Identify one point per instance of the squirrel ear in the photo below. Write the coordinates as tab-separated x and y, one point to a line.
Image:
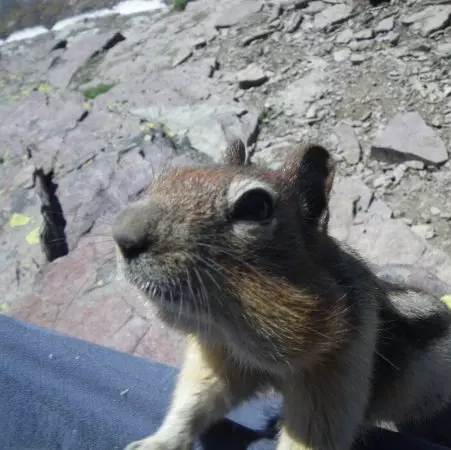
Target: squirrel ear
309	173
235	153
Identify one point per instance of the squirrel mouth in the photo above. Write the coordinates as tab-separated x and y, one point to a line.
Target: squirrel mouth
164	292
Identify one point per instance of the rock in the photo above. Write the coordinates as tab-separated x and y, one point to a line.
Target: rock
342	55
238	12
359	46
274	155
380	209
385	25
294	22
415	165
332	15
392	37
364	34
387	242
432	18
399	172
408	137
251	76
380	181
444	49
203	123
406	221
435	211
348	143
298	95
344	37
425	231
345	194
183	55
64	68
413	276
438	20
357	59
259	34
314	7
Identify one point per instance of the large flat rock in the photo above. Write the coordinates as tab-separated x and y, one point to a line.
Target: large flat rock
206	125
408	137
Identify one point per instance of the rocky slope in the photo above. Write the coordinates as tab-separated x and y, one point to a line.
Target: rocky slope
88	114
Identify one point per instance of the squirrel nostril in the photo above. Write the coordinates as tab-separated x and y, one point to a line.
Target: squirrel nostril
130	244
131	235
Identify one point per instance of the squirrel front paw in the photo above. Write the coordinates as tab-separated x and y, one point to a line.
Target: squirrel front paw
154	443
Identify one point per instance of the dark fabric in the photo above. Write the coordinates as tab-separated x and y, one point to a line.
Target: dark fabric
61	393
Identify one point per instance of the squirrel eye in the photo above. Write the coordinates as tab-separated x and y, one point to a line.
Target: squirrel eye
255	206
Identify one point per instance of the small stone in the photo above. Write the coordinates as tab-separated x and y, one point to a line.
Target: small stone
358	46
182	55
237	13
406	221
200	43
332	15
392	37
379	181
435	211
399	172
357	59
444	49
423	230
364	34
259	34
385	25
251	76
445	215
314	7
312	112
344	37
342	55
415	164
294	22
348	143
408	137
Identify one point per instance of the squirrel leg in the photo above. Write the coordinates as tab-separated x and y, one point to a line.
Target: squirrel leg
208	386
325	409
327	423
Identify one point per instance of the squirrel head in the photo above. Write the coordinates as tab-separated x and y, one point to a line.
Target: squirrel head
233	245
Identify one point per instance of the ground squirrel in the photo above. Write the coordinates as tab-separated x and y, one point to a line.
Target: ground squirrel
238	258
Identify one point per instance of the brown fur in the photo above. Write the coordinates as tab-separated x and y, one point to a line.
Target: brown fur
277	304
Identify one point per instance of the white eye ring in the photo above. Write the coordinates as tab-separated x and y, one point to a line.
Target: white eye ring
239	186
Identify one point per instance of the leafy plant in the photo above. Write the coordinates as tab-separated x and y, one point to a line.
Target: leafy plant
179	5
92	92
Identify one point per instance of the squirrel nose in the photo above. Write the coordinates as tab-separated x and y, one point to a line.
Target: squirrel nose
131	231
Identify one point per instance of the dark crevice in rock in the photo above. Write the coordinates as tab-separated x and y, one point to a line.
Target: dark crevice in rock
29	151
52	234
61	45
118	37
112	42
85	73
83	116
